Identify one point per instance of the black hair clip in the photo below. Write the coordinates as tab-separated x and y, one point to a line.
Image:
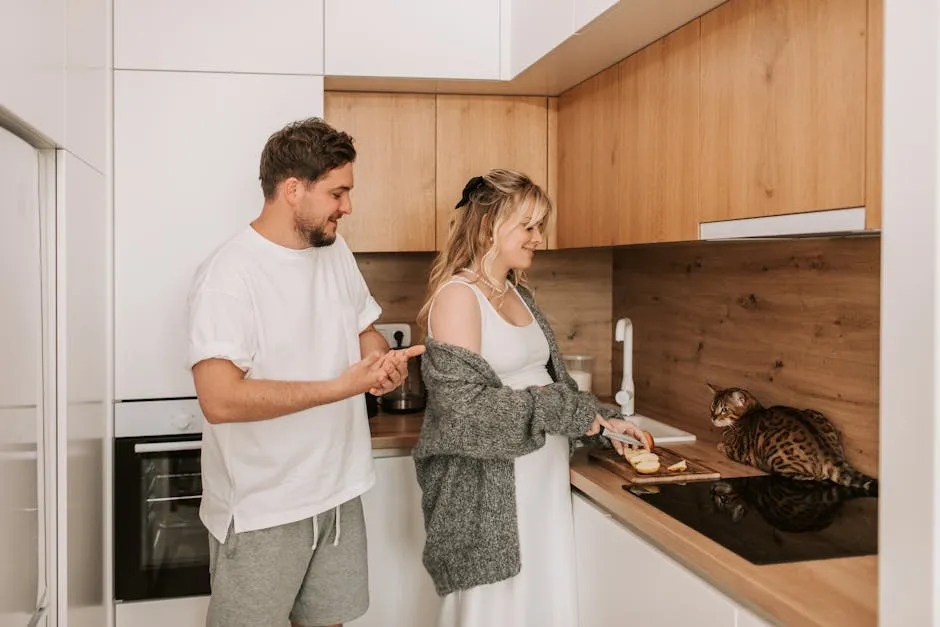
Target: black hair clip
474	184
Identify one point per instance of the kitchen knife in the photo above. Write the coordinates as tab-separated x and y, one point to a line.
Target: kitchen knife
621	437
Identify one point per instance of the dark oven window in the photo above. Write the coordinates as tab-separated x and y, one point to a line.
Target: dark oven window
161	546
173	535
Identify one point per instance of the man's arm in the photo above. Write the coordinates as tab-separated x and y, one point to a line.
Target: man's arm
371	341
225	395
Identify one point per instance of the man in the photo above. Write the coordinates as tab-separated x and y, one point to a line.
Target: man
279	319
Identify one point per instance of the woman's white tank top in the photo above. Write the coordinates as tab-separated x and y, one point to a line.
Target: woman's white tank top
518	354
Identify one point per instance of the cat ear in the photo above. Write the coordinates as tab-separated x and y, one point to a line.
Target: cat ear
714	389
738	399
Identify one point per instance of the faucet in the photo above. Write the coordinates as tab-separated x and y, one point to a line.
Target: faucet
626	394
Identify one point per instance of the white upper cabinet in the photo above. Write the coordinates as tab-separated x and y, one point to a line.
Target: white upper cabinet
275	36
413	38
32	63
86	80
536	27
586	10
187	148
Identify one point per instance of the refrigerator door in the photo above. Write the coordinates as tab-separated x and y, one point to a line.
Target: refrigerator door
40	617
22	476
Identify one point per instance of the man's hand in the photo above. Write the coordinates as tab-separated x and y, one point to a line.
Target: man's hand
363	376
394	365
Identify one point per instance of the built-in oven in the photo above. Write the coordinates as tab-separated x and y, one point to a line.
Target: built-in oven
161	548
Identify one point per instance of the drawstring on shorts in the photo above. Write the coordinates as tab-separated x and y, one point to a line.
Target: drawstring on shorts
316	531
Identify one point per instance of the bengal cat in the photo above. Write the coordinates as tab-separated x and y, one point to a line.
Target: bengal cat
797	443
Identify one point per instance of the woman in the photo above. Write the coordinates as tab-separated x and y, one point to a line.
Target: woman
502	413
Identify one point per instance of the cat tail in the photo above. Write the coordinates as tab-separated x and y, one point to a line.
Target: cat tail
860	483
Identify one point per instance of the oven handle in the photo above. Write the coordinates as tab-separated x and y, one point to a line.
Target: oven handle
166	447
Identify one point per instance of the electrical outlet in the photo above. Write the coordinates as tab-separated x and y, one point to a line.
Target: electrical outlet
388	332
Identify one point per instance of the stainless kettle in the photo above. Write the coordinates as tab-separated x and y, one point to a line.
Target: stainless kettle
411	394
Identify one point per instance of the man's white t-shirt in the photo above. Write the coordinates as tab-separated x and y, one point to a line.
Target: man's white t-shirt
287	315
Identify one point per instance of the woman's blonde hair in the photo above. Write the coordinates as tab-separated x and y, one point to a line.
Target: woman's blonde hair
488	201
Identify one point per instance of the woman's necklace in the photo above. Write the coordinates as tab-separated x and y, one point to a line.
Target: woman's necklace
497	295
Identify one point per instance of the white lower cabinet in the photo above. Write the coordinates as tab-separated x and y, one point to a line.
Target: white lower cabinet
401	593
183	612
623	580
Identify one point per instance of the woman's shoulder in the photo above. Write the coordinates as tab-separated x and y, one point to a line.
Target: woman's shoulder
455	316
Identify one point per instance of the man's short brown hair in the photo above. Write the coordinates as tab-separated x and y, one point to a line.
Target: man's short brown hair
306	149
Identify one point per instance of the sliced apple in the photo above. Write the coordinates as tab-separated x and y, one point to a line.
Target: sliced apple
647	467
679	466
643	456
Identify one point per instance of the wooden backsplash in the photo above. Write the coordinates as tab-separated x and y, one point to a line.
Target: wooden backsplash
573	288
796	322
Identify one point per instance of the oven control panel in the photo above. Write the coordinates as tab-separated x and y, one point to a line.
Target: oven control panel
135	419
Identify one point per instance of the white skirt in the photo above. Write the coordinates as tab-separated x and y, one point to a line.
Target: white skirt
544	593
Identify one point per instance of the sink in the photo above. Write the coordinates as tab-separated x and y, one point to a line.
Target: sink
661	432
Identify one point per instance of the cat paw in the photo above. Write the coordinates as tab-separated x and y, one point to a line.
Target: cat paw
721	448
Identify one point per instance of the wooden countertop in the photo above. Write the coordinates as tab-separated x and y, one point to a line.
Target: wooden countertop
395	430
822	592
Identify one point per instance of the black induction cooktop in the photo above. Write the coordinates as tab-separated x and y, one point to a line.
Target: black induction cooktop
771	519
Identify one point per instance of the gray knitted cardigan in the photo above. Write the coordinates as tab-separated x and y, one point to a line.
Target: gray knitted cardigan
474	428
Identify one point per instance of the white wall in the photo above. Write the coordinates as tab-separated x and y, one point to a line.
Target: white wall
909	562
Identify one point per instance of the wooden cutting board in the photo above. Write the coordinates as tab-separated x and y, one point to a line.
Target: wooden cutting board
612	461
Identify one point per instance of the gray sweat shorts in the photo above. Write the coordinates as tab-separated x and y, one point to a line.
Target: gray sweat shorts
313	572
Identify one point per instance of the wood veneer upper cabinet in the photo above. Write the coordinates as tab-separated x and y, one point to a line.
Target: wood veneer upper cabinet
589	117
660	140
783	107
876	50
478	133
393	198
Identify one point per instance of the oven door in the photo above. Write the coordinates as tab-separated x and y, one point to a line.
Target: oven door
161	548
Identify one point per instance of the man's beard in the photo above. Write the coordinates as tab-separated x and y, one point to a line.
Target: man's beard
316	236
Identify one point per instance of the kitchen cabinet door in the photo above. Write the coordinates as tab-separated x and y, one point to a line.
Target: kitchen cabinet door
621	578
588	203
393	197
87	70
536	28
25	337
478	133
186	153
32	72
659	158
83	434
783	107
413	38
401	593
276	36
178	612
